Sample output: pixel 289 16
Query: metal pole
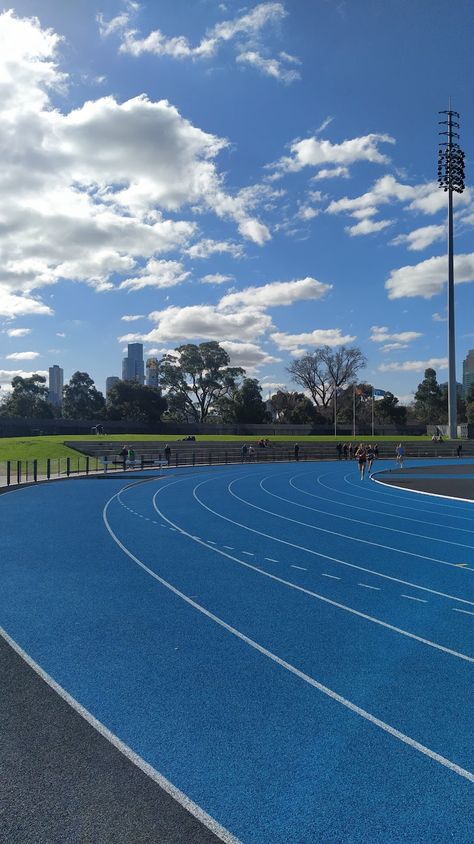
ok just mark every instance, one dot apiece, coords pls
pixel 452 389
pixel 373 413
pixel 353 410
pixel 335 410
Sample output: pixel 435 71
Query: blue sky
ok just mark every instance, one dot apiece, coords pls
pixel 262 175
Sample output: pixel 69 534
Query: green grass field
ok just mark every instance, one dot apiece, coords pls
pixel 42 448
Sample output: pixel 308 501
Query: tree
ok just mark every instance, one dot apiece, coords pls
pixel 247 405
pixel 469 397
pixel 28 398
pixel 132 401
pixel 295 408
pixel 81 399
pixel 196 378
pixel 429 403
pixel 325 370
pixel 470 412
pixel 387 410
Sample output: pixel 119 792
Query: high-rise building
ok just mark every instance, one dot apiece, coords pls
pixel 152 373
pixel 133 367
pixel 468 371
pixel 56 383
pixel 111 381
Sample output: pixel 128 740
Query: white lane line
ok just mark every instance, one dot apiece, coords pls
pixel 130 754
pixel 412 598
pixel 211 542
pixel 328 556
pixel 380 527
pixel 366 586
pixel 466 612
pixel 299 567
pixel 415 745
pixel 248 553
pixel 312 594
pixel 229 547
pixel 271 560
pixel 332 576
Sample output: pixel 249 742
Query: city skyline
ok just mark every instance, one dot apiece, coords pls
pixel 263 176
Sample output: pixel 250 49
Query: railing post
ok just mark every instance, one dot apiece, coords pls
pixel 18 471
pixel 176 459
pixel 48 468
pixel 8 472
pixel 68 466
pixel 35 471
pixel 87 464
pixel 194 458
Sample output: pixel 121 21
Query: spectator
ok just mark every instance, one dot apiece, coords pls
pixel 244 451
pixel 131 458
pixel 251 452
pixel 168 454
pixel 459 450
pixel 345 449
pixel 297 451
pixel 339 450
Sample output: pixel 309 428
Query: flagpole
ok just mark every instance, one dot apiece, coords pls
pixel 353 410
pixel 373 414
pixel 335 410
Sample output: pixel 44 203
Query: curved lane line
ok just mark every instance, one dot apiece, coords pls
pixel 358 521
pixel 130 754
pixel 342 535
pixel 349 480
pixel 302 589
pixel 415 745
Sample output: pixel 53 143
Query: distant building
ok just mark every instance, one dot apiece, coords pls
pixel 468 371
pixel 152 373
pixel 459 388
pixel 133 367
pixel 56 383
pixel 111 381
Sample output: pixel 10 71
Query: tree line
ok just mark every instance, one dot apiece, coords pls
pixel 197 384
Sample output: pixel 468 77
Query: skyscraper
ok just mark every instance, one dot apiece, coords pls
pixel 468 371
pixel 111 381
pixel 133 368
pixel 152 373
pixel 56 383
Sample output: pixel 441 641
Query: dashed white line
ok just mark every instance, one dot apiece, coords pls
pixel 366 586
pixel 211 542
pixel 466 612
pixel 248 553
pixel 332 576
pixel 420 600
pixel 299 567
pixel 229 547
pixel 270 559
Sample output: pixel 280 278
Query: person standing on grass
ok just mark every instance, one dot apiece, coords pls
pixel 361 457
pixel 400 454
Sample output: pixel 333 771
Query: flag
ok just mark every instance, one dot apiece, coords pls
pixel 379 392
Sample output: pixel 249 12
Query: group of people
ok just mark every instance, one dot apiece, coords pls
pixel 348 450
pixel 366 454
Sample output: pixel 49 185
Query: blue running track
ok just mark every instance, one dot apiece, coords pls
pixel 290 647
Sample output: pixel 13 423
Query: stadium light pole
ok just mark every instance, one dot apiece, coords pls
pixel 451 179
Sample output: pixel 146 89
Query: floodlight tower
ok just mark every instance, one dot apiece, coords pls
pixel 451 179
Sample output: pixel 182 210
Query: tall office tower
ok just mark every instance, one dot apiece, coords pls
pixel 152 373
pixel 468 371
pixel 111 381
pixel 56 383
pixel 133 367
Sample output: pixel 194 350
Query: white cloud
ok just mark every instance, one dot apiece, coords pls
pixel 393 347
pixel 22 356
pixel 132 317
pixel 421 238
pixel 12 305
pixel 157 274
pixel 248 355
pixel 381 334
pixel 428 278
pixel 216 278
pixel 439 318
pixel 306 212
pixel 207 247
pixel 368 227
pixel 276 293
pixel 18 332
pixel 245 30
pixel 313 152
pixel 60 334
pixel 203 322
pixel 332 173
pixel 318 337
pixel 414 365
pixel 7 376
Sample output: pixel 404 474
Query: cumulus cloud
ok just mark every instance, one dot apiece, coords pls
pixel 332 173
pixel 276 293
pixel 414 365
pixel 248 355
pixel 203 322
pixel 313 152
pixel 18 332
pixel 244 32
pixel 132 317
pixel 393 347
pixel 421 238
pixel 207 247
pixel 318 337
pixel 13 305
pixel 428 278
pixel 157 274
pixel 22 356
pixel 368 227
pixel 7 376
pixel 381 334
pixel 216 278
